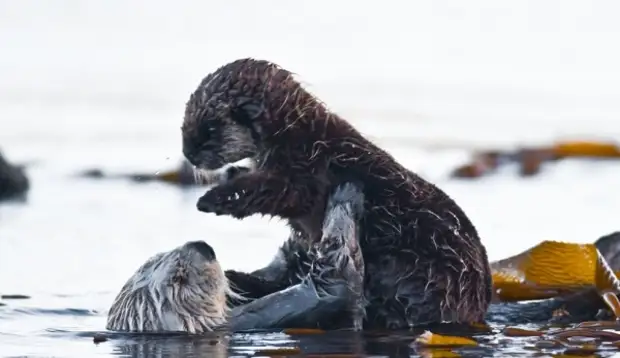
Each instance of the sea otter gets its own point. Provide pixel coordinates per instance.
(185, 289)
(424, 261)
(13, 181)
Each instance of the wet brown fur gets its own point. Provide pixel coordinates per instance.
(424, 262)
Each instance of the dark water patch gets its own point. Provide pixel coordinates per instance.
(14, 297)
(8, 311)
(85, 294)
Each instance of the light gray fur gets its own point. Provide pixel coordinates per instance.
(339, 250)
(174, 291)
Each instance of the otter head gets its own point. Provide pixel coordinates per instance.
(225, 117)
(182, 290)
(218, 124)
(216, 135)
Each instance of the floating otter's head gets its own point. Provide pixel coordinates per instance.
(183, 290)
(226, 115)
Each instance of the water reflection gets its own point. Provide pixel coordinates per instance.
(337, 343)
(171, 347)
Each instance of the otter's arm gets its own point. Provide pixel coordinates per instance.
(287, 268)
(334, 283)
(264, 193)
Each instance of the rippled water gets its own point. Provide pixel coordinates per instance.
(103, 84)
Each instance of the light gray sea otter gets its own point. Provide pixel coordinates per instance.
(186, 290)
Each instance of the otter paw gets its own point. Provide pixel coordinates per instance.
(222, 201)
(231, 172)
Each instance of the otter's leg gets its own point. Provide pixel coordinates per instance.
(332, 285)
(250, 286)
(290, 264)
(584, 305)
(339, 255)
(288, 267)
(262, 193)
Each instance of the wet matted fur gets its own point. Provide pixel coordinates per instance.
(324, 287)
(424, 261)
(182, 290)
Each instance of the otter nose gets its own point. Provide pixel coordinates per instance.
(203, 248)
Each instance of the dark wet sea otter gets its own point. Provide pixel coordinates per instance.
(424, 261)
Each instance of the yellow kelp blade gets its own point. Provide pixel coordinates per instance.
(171, 176)
(429, 338)
(552, 268)
(586, 149)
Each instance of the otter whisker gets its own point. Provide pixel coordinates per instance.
(205, 176)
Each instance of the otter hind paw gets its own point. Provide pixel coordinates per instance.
(349, 195)
(339, 246)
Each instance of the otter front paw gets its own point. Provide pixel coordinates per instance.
(223, 200)
(231, 172)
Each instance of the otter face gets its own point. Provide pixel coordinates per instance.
(182, 290)
(217, 134)
(222, 116)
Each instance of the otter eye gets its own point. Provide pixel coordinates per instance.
(178, 279)
(209, 128)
